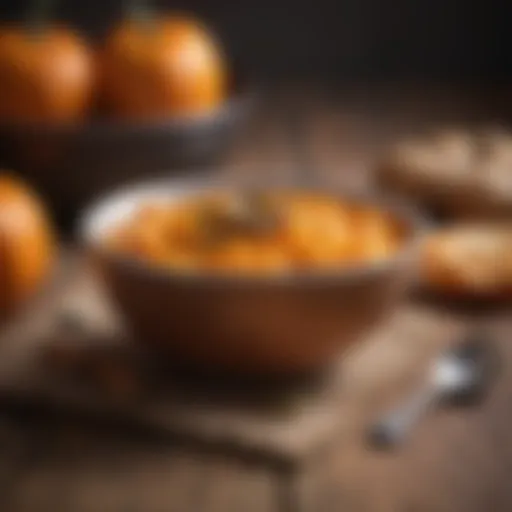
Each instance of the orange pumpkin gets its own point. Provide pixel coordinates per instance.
(160, 67)
(26, 245)
(46, 75)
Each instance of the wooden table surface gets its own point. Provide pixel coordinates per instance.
(457, 460)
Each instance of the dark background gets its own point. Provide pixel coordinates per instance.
(352, 39)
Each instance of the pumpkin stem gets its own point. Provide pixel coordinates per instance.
(39, 14)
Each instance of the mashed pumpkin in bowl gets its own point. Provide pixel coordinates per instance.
(256, 233)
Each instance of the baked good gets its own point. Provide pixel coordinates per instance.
(471, 260)
(462, 173)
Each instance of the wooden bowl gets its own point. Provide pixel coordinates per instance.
(279, 325)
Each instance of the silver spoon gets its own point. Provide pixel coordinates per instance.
(461, 375)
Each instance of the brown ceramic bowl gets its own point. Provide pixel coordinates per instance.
(285, 325)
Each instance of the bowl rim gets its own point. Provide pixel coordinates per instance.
(89, 235)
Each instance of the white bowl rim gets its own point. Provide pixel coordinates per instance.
(103, 214)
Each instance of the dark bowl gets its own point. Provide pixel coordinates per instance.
(69, 165)
(273, 325)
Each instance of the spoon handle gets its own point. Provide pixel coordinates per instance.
(395, 425)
